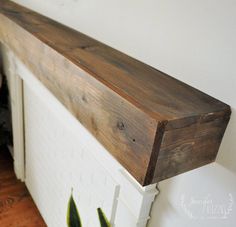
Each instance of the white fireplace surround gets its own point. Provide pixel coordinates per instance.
(53, 153)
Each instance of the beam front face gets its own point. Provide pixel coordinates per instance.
(138, 113)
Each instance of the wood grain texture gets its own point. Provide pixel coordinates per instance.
(17, 208)
(130, 107)
(186, 148)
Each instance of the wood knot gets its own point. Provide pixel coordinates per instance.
(88, 47)
(84, 98)
(120, 125)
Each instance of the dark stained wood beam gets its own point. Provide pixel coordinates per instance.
(153, 124)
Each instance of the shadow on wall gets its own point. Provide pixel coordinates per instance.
(227, 154)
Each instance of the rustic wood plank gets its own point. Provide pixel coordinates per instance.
(133, 109)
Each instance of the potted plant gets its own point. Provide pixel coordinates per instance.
(73, 217)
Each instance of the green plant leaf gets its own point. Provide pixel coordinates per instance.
(102, 218)
(73, 218)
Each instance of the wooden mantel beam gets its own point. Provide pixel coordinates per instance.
(153, 124)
